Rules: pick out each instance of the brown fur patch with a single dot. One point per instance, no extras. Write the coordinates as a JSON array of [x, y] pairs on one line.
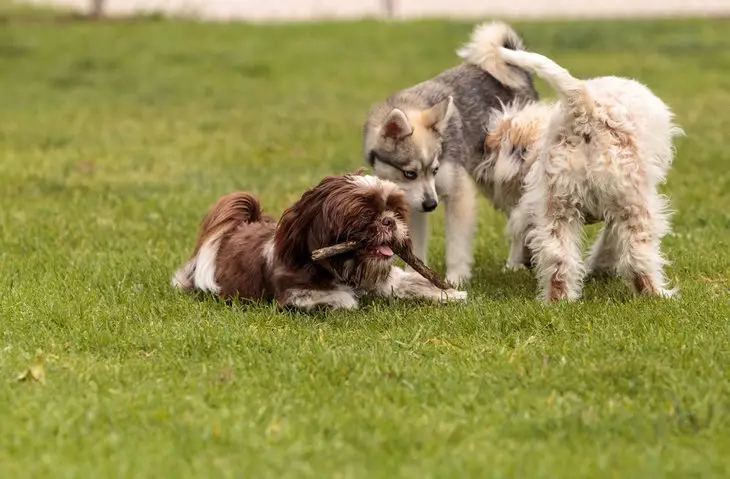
[[494, 138], [525, 135], [644, 285], [229, 211], [556, 289]]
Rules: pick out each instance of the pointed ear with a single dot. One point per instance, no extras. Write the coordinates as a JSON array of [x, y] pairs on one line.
[[396, 125], [438, 116]]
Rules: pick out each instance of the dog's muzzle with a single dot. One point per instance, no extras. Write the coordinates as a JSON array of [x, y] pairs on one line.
[[429, 204]]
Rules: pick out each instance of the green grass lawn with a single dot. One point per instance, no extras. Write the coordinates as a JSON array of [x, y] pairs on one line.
[[116, 138]]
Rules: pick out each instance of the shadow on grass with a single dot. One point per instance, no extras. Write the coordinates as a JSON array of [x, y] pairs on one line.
[[369, 306], [492, 282]]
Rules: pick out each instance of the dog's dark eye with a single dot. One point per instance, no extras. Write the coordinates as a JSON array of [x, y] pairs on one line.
[[435, 170], [410, 175]]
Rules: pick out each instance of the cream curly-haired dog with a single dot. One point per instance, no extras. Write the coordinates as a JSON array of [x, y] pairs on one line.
[[598, 154]]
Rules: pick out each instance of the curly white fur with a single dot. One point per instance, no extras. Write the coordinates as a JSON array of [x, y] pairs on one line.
[[598, 154]]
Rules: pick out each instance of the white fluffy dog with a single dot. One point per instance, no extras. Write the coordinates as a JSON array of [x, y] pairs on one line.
[[598, 154]]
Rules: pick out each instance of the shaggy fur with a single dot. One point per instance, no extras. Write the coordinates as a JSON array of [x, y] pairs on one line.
[[242, 253], [598, 154], [428, 139]]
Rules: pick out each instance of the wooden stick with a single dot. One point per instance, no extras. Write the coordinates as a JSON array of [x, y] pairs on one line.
[[334, 250], [404, 252], [414, 262]]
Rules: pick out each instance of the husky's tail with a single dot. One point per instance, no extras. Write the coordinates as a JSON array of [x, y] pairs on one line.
[[482, 50], [568, 87], [229, 213]]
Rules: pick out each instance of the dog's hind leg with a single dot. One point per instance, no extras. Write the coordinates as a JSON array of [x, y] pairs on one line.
[[640, 228], [461, 221], [555, 240]]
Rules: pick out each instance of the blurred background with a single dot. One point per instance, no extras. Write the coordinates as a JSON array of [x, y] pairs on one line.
[[282, 10]]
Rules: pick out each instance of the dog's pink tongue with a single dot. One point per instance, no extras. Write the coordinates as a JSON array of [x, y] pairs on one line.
[[385, 250]]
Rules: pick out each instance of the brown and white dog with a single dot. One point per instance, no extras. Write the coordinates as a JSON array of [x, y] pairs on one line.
[[242, 253]]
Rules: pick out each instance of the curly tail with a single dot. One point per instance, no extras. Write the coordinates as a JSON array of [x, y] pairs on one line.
[[229, 213], [560, 79], [482, 50]]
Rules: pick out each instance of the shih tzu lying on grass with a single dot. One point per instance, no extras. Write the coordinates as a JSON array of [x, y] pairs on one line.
[[598, 154], [242, 253]]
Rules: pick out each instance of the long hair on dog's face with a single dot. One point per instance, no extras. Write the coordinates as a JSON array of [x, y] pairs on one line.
[[511, 146], [372, 212]]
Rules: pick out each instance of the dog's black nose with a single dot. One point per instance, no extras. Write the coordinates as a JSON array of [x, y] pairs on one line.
[[429, 204]]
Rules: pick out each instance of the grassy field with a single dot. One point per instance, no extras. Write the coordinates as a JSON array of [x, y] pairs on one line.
[[116, 138]]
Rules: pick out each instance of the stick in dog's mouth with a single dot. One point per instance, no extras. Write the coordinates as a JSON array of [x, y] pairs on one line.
[[402, 251]]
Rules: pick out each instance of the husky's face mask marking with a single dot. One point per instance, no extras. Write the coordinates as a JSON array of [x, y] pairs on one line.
[[407, 149]]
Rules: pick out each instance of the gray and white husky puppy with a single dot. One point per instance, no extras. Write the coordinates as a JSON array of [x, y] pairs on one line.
[[438, 126]]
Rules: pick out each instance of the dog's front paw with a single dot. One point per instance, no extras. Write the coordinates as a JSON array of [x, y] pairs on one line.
[[453, 296], [345, 303]]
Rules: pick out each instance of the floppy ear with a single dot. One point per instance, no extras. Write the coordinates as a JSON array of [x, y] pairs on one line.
[[396, 125], [310, 222], [438, 116]]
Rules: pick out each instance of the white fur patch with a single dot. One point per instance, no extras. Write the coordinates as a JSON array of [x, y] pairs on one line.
[[373, 182], [506, 168], [204, 277], [182, 278], [558, 77], [307, 299], [268, 253], [425, 153], [388, 188], [367, 181]]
